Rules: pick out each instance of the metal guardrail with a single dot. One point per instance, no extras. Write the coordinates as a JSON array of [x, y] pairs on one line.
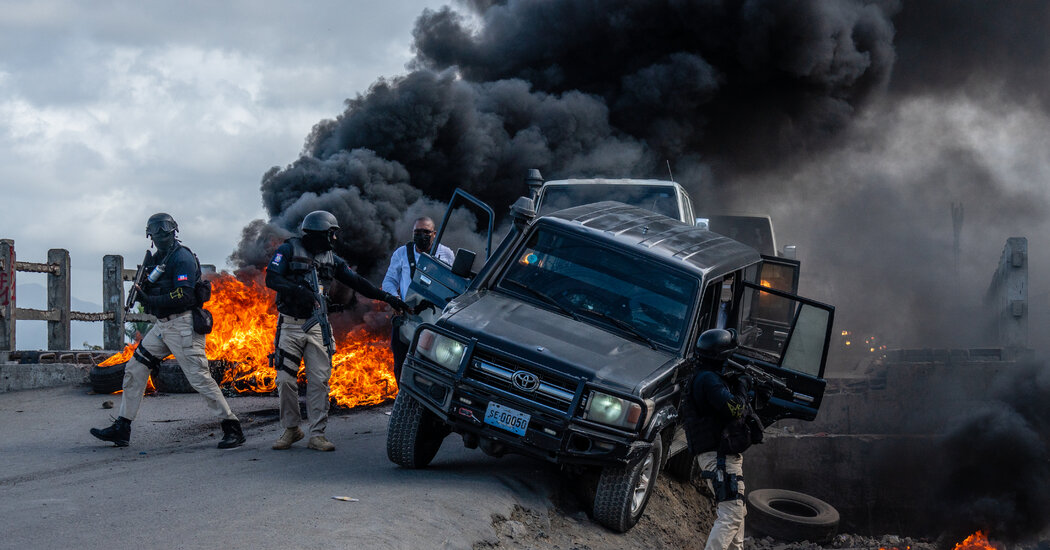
[[58, 313]]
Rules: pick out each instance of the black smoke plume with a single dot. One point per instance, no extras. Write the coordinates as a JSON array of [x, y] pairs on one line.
[[580, 88], [994, 464]]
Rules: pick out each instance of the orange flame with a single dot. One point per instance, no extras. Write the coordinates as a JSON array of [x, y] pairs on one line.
[[244, 321], [977, 541]]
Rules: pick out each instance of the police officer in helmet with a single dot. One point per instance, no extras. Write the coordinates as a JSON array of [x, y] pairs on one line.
[[290, 273], [169, 294], [714, 416]]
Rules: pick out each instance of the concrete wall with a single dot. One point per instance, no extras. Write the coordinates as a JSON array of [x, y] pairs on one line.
[[15, 377], [867, 452]]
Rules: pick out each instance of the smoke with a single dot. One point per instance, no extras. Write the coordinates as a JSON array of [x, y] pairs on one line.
[[994, 464], [579, 88]]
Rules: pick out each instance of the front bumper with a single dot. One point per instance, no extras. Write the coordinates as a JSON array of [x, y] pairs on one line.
[[550, 435]]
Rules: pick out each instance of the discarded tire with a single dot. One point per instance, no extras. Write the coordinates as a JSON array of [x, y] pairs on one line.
[[791, 516], [107, 379], [169, 378]]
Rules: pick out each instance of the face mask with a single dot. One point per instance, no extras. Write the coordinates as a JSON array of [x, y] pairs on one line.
[[163, 240], [316, 242], [422, 241]]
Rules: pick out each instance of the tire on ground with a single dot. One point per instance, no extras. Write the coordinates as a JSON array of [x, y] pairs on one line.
[[791, 516], [169, 378], [107, 379], [624, 491], [682, 466], [414, 434]]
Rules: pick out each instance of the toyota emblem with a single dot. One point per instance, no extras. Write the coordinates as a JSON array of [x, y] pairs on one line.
[[525, 381]]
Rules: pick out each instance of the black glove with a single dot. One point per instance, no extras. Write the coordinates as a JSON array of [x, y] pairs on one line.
[[396, 303], [743, 385], [763, 394]]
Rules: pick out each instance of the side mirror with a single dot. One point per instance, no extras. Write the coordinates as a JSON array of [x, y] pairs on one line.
[[703, 223], [463, 262]]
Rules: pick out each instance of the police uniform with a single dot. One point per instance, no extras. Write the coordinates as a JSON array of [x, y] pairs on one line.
[[170, 299], [713, 407], [287, 274]]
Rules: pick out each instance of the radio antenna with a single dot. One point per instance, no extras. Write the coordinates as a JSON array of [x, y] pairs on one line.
[[669, 170]]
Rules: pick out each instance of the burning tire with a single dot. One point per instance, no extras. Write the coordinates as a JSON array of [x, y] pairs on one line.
[[169, 378], [624, 491], [414, 434], [107, 379], [791, 516]]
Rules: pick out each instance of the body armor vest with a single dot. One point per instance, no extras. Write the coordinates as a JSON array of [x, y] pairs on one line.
[[166, 283], [299, 266]]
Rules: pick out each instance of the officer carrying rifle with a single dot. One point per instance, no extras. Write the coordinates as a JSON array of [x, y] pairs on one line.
[[301, 271], [720, 424], [169, 286]]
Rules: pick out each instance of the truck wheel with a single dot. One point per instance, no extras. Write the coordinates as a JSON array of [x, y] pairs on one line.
[[623, 491], [107, 379], [791, 516], [414, 434], [682, 466]]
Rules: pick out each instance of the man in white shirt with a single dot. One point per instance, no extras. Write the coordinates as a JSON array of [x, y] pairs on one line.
[[399, 276]]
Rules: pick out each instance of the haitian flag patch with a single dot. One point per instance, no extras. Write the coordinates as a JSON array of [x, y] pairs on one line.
[[182, 278]]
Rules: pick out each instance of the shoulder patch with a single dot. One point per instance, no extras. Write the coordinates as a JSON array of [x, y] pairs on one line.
[[182, 278], [277, 258]]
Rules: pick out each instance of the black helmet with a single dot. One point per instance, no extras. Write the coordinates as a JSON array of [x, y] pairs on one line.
[[160, 223], [716, 344], [319, 220]]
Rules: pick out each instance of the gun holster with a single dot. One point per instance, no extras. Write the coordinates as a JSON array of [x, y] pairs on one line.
[[726, 486]]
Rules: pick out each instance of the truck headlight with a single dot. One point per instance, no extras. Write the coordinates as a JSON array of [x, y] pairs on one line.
[[445, 351], [612, 410]]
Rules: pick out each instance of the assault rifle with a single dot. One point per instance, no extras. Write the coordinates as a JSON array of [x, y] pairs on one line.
[[320, 314], [761, 377], [137, 282]]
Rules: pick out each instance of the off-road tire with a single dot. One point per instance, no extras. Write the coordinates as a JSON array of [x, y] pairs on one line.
[[414, 434], [169, 378], [682, 466], [791, 516], [107, 379], [624, 491]]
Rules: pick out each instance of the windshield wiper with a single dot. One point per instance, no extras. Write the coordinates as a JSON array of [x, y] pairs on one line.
[[620, 324], [543, 297]]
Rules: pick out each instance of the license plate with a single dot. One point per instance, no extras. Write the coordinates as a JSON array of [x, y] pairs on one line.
[[507, 418]]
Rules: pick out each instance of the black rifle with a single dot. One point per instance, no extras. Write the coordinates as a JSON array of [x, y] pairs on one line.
[[761, 377], [320, 314], [137, 282]]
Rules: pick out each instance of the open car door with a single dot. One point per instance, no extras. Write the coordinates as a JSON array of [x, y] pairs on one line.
[[436, 282], [787, 336]]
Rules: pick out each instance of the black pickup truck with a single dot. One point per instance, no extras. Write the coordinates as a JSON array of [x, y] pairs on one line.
[[575, 339]]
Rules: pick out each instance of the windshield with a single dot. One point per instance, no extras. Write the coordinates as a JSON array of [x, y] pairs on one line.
[[659, 199], [604, 287]]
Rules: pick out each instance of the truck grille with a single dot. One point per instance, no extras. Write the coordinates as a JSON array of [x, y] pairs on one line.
[[550, 390]]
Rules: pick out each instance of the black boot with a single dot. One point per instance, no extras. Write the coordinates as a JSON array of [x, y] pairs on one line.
[[232, 436], [119, 433]]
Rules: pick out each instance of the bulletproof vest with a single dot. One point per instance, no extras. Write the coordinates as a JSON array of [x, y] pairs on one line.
[[299, 266], [166, 283]]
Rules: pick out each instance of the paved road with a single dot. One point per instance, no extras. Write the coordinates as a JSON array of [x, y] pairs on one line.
[[61, 488]]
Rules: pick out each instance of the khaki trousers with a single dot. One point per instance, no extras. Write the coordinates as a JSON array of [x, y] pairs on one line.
[[309, 346], [174, 336], [727, 533]]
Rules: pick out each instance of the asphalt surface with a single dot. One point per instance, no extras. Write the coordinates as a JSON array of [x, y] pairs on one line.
[[172, 488]]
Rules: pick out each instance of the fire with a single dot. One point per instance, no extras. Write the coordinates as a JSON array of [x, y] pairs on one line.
[[244, 322], [977, 541]]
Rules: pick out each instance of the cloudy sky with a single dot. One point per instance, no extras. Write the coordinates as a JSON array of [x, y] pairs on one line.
[[111, 111]]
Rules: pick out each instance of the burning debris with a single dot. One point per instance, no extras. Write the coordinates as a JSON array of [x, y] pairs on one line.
[[242, 337]]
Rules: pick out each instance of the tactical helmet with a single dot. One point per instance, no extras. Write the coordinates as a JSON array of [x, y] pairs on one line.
[[319, 220], [716, 344], [160, 223]]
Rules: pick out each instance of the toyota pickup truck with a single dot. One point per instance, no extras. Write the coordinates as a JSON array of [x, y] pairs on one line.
[[574, 341]]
